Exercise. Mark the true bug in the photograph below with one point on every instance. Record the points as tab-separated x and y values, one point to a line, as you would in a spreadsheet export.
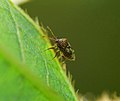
63	47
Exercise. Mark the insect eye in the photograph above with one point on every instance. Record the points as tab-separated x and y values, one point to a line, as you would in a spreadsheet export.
56	40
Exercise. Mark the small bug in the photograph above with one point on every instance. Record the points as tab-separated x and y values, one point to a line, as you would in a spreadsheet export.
63	48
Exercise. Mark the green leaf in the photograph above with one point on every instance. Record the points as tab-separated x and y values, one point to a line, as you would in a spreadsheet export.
24	42
18	83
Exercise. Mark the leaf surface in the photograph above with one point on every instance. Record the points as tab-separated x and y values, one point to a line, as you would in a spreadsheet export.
22	38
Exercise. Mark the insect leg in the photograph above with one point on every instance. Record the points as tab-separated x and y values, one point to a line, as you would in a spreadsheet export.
56	54
63	59
53	47
60	58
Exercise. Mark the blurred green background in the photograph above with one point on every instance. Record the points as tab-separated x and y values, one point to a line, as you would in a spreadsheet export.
93	29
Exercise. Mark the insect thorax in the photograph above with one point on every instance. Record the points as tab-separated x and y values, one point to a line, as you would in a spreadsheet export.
65	48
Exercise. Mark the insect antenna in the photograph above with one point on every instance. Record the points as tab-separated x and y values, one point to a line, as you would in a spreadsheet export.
51	32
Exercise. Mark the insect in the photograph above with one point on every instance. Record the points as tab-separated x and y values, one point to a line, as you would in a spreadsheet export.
62	47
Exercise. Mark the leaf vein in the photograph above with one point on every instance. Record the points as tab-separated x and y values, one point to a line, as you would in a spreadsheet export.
18	34
47	71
